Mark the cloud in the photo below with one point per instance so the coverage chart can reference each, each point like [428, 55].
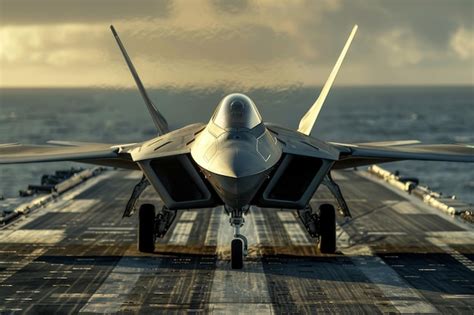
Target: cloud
[51, 45]
[462, 42]
[34, 12]
[246, 42]
[400, 48]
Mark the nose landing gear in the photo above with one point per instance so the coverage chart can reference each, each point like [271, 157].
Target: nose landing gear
[239, 245]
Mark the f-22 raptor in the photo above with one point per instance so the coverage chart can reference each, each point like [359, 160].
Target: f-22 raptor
[236, 160]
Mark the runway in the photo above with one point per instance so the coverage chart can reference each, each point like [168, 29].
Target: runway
[77, 255]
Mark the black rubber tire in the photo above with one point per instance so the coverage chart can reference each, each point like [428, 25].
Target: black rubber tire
[146, 228]
[237, 254]
[327, 226]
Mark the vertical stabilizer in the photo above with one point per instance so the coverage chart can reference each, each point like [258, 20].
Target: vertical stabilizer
[308, 120]
[158, 119]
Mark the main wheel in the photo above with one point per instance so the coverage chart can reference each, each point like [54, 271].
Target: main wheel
[146, 228]
[237, 254]
[327, 227]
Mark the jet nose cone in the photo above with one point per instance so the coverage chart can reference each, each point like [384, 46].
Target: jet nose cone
[237, 173]
[239, 191]
[237, 162]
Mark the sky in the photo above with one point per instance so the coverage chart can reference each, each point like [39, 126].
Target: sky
[251, 44]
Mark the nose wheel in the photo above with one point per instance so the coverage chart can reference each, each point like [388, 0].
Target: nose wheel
[239, 245]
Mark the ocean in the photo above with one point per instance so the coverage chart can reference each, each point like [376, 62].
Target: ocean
[441, 114]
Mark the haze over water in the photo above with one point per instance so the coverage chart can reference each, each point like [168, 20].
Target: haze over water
[351, 114]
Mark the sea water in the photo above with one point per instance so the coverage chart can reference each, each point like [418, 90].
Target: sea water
[351, 114]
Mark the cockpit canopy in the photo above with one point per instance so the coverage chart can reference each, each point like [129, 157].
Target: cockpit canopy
[236, 111]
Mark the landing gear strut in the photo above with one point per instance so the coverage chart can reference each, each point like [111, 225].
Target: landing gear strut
[239, 245]
[150, 226]
[137, 191]
[321, 225]
[337, 193]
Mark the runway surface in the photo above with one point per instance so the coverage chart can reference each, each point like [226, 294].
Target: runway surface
[77, 255]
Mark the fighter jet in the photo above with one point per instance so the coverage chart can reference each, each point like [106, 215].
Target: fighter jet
[237, 161]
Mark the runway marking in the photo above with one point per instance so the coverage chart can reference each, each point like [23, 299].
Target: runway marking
[181, 233]
[263, 234]
[64, 200]
[286, 216]
[332, 199]
[10, 271]
[114, 291]
[213, 228]
[458, 296]
[34, 236]
[134, 175]
[112, 228]
[76, 191]
[466, 262]
[296, 234]
[453, 237]
[405, 207]
[294, 230]
[188, 216]
[384, 233]
[74, 206]
[69, 295]
[182, 230]
[228, 283]
[401, 294]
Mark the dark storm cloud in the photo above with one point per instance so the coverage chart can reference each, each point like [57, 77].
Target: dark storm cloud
[24, 12]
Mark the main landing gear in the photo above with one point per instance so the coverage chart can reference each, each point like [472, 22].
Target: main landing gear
[321, 225]
[239, 245]
[151, 226]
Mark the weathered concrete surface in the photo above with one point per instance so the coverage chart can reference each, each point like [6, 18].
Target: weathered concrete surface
[78, 255]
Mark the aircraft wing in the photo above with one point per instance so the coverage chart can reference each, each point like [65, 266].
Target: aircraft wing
[94, 153]
[352, 155]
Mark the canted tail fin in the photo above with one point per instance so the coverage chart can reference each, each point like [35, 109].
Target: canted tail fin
[158, 119]
[308, 120]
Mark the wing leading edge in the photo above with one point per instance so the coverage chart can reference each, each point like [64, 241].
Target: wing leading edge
[352, 155]
[101, 154]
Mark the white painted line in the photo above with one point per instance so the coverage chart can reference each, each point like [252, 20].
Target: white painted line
[188, 216]
[75, 206]
[34, 236]
[263, 234]
[384, 233]
[112, 228]
[69, 295]
[74, 192]
[332, 199]
[453, 237]
[181, 233]
[401, 295]
[286, 216]
[458, 296]
[297, 234]
[8, 272]
[213, 228]
[115, 290]
[294, 230]
[134, 175]
[228, 283]
[466, 262]
[406, 207]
